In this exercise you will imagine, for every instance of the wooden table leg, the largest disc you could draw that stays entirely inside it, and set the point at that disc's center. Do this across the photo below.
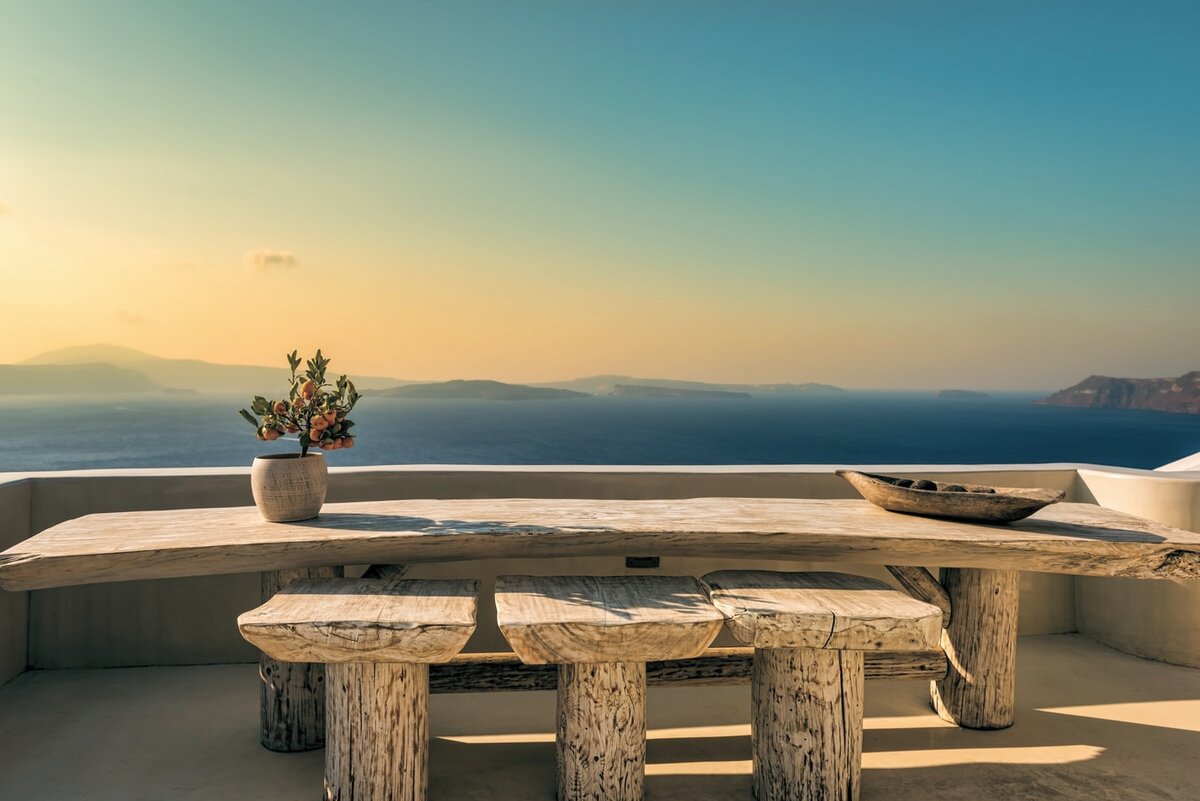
(378, 732)
(601, 739)
(292, 694)
(806, 724)
(979, 691)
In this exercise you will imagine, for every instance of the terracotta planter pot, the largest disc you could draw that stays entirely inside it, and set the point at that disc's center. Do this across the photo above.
(288, 488)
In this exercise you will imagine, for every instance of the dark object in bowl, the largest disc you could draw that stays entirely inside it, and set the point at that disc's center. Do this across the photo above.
(971, 502)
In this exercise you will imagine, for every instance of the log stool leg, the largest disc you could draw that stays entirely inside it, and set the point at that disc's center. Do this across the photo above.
(292, 694)
(806, 726)
(979, 690)
(378, 732)
(601, 738)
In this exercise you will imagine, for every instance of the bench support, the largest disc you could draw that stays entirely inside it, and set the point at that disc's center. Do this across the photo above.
(601, 738)
(378, 732)
(806, 724)
(979, 690)
(292, 694)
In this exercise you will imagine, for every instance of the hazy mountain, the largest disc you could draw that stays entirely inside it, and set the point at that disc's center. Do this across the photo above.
(478, 390)
(189, 373)
(647, 391)
(605, 385)
(91, 379)
(1158, 394)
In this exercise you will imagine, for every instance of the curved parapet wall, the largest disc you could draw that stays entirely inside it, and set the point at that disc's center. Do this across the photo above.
(1155, 619)
(188, 621)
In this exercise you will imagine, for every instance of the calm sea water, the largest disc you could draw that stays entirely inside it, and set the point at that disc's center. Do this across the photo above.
(186, 431)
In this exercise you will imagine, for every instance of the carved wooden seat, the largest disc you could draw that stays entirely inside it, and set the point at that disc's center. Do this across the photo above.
(809, 631)
(377, 638)
(601, 631)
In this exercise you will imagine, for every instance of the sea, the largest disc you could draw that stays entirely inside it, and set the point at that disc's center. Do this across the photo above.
(60, 433)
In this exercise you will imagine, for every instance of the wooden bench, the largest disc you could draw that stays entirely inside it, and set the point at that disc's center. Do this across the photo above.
(601, 631)
(809, 632)
(377, 638)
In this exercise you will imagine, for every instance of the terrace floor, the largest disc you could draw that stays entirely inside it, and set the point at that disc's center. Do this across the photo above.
(1091, 724)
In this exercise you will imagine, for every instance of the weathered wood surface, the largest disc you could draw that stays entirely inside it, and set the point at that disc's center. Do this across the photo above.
(480, 672)
(835, 611)
(979, 688)
(364, 620)
(600, 742)
(291, 695)
(566, 619)
(806, 724)
(970, 502)
(1064, 538)
(920, 583)
(378, 741)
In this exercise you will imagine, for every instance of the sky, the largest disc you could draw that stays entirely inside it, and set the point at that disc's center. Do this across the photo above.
(990, 195)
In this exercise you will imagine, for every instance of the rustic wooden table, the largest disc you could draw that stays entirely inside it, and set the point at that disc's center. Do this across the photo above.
(977, 589)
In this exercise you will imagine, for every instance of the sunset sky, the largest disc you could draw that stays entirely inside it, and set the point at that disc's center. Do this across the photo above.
(909, 195)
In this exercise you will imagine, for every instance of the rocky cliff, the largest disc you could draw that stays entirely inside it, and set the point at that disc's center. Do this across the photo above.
(1158, 394)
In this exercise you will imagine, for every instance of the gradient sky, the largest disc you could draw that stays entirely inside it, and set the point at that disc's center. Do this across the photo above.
(918, 194)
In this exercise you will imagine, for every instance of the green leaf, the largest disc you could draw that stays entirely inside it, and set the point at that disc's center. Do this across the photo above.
(249, 418)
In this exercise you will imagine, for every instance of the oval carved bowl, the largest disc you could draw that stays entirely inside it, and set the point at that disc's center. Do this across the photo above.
(977, 504)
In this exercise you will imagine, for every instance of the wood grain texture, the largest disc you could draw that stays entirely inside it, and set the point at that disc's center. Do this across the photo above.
(1000, 505)
(836, 611)
(291, 695)
(567, 619)
(920, 583)
(601, 734)
(979, 689)
(480, 672)
(364, 620)
(378, 735)
(1064, 538)
(806, 724)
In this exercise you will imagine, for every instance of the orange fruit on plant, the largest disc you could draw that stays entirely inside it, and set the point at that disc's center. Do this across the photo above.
(330, 417)
(314, 435)
(348, 442)
(308, 389)
(280, 407)
(318, 422)
(270, 435)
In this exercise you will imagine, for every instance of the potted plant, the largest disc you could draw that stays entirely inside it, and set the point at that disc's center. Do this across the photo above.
(291, 486)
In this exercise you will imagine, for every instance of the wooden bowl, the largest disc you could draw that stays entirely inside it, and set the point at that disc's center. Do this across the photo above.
(1001, 505)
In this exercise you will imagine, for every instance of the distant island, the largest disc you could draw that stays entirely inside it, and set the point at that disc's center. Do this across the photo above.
(114, 369)
(52, 379)
(962, 394)
(156, 372)
(646, 391)
(478, 390)
(1180, 395)
(607, 384)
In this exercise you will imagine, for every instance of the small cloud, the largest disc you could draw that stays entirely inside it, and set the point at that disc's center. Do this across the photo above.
(262, 259)
(128, 318)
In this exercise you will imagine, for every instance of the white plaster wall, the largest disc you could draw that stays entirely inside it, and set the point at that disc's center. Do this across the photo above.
(1154, 619)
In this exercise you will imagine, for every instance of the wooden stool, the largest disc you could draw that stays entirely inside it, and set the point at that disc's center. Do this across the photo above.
(601, 632)
(809, 631)
(377, 639)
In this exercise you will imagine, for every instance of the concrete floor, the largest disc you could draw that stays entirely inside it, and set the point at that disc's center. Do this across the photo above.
(1091, 724)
